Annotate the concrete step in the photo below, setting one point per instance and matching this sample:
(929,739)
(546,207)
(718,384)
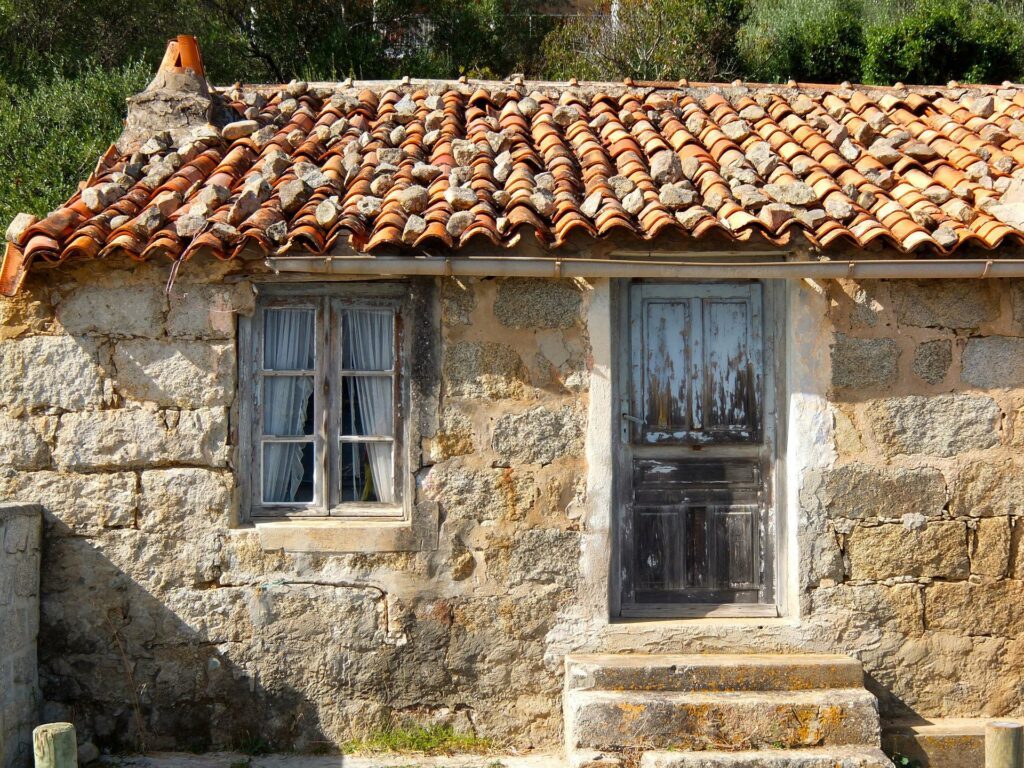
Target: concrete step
(836,757)
(712,672)
(613,721)
(940,742)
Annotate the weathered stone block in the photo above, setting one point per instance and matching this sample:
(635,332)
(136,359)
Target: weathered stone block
(297,616)
(864,491)
(1017,301)
(21,446)
(990,547)
(932,360)
(863,363)
(76,504)
(994,362)
(122,439)
(987,489)
(458,302)
(848,439)
(182,374)
(944,303)
(935,549)
(185,501)
(215,615)
(484,369)
(867,300)
(487,494)
(545,556)
(537,303)
(207,311)
(942,425)
(965,608)
(51,372)
(131,310)
(539,436)
(846,608)
(454,436)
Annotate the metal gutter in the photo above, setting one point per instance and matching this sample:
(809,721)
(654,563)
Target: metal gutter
(512,266)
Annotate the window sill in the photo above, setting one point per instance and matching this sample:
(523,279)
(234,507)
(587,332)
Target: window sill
(652,611)
(334,535)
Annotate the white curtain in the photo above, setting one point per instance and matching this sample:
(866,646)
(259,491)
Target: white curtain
(369,346)
(288,341)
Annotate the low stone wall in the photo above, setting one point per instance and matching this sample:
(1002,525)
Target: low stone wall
(20,540)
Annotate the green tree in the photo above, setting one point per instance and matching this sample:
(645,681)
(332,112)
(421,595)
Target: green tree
(819,41)
(52,133)
(940,40)
(649,40)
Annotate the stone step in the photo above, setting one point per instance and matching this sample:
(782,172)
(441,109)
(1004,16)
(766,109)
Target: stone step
(939,742)
(836,757)
(610,721)
(712,672)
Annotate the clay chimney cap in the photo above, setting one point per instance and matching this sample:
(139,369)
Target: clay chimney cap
(183,55)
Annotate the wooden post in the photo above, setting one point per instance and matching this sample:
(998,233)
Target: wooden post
(55,746)
(1003,745)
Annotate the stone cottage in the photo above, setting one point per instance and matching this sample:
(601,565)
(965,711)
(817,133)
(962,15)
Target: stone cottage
(517,405)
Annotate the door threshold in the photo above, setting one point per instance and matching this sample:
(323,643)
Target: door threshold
(699,611)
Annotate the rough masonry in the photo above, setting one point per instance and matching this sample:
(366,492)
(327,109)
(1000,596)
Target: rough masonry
(20,539)
(166,624)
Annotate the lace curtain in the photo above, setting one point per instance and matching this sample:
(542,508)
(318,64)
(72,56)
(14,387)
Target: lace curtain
(369,346)
(288,345)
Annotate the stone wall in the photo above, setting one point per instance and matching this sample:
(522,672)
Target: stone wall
(926,499)
(167,625)
(20,539)
(905,494)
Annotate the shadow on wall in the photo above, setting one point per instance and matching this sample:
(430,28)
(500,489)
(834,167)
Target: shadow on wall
(108,646)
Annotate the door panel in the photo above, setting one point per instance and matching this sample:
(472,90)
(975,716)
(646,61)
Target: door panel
(731,370)
(693,527)
(664,371)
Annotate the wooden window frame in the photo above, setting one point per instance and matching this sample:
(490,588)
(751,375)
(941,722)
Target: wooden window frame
(772,422)
(329,301)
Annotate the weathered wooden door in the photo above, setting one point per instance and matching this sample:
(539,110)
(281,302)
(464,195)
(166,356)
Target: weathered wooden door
(694,528)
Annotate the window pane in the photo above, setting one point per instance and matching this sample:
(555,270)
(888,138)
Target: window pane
(367,472)
(288,405)
(288,339)
(287,472)
(367,406)
(368,339)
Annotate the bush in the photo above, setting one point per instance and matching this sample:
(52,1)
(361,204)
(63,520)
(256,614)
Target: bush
(488,38)
(939,40)
(651,40)
(52,134)
(819,41)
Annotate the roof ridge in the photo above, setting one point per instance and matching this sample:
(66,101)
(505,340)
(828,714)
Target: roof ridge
(625,84)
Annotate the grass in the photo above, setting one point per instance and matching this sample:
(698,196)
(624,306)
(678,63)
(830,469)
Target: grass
(421,740)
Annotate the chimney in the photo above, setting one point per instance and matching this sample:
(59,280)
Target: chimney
(177,100)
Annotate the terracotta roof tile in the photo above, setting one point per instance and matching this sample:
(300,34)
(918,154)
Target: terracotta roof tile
(362,145)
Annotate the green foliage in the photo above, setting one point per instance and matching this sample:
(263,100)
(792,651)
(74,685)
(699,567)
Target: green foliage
(651,40)
(940,40)
(488,38)
(52,133)
(819,41)
(40,38)
(426,740)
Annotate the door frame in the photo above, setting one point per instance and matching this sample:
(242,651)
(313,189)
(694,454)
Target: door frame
(774,431)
